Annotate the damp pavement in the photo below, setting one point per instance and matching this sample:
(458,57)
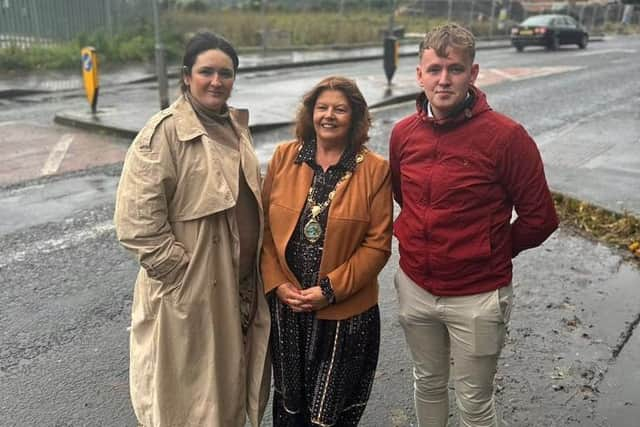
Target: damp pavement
(274,110)
(572,357)
(59,81)
(121,121)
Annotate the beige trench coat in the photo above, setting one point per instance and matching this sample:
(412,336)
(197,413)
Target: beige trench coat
(189,363)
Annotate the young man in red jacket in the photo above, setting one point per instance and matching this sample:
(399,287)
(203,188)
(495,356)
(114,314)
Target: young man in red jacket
(459,169)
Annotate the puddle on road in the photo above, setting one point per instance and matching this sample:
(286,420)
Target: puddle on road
(573,300)
(54,201)
(619,401)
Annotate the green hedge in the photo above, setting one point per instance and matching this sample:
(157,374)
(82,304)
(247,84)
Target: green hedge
(240,27)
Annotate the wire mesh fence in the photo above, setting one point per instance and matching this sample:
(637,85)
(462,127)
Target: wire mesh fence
(25,23)
(487,18)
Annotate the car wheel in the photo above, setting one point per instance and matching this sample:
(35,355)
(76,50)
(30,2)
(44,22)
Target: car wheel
(583,41)
(553,43)
(519,47)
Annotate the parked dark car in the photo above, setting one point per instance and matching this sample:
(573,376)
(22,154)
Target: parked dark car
(549,31)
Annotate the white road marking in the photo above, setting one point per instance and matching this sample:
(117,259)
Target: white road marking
(502,73)
(556,133)
(622,60)
(57,155)
(549,151)
(541,71)
(24,123)
(605,51)
(51,245)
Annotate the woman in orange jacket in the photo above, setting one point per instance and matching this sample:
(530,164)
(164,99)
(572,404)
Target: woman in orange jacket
(328,218)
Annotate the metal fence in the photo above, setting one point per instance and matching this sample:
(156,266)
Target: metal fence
(27,22)
(486,17)
(501,15)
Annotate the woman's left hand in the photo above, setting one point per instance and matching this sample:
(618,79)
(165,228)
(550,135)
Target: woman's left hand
(313,297)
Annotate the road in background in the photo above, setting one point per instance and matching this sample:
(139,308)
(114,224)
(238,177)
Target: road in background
(563,99)
(67,284)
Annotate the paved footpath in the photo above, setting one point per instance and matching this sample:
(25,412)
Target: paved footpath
(59,81)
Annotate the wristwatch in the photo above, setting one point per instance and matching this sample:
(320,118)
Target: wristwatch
(327,290)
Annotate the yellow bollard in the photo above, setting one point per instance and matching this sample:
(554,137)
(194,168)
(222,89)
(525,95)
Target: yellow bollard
(90,75)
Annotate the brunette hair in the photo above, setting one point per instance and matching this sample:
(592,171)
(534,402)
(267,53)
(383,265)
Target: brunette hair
(360,117)
(202,42)
(448,36)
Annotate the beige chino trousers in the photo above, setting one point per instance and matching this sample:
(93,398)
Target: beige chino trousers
(468,329)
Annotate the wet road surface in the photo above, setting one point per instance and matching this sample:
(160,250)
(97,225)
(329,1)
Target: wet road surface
(67,284)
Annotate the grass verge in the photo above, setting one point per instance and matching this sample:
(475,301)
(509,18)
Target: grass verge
(618,230)
(243,29)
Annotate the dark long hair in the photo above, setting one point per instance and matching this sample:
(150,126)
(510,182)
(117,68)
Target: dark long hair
(360,117)
(202,42)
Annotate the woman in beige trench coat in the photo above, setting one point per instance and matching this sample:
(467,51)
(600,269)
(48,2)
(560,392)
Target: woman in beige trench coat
(189,207)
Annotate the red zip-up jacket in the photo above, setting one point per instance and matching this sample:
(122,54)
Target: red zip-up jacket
(457,181)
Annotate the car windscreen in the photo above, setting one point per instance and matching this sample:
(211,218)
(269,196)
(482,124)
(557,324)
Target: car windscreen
(537,20)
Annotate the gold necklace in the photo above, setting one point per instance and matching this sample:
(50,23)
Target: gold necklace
(312,229)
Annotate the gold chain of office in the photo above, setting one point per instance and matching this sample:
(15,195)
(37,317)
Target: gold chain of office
(312,229)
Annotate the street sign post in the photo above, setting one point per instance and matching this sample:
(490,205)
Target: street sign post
(90,75)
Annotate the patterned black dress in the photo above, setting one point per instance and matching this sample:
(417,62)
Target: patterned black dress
(323,369)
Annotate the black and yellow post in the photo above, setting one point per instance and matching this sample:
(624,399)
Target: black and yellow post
(90,75)
(391,54)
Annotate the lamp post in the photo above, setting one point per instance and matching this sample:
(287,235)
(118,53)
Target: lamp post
(161,66)
(491,18)
(390,47)
(265,30)
(473,2)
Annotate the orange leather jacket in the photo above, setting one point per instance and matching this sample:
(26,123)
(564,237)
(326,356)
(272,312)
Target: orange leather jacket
(358,236)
